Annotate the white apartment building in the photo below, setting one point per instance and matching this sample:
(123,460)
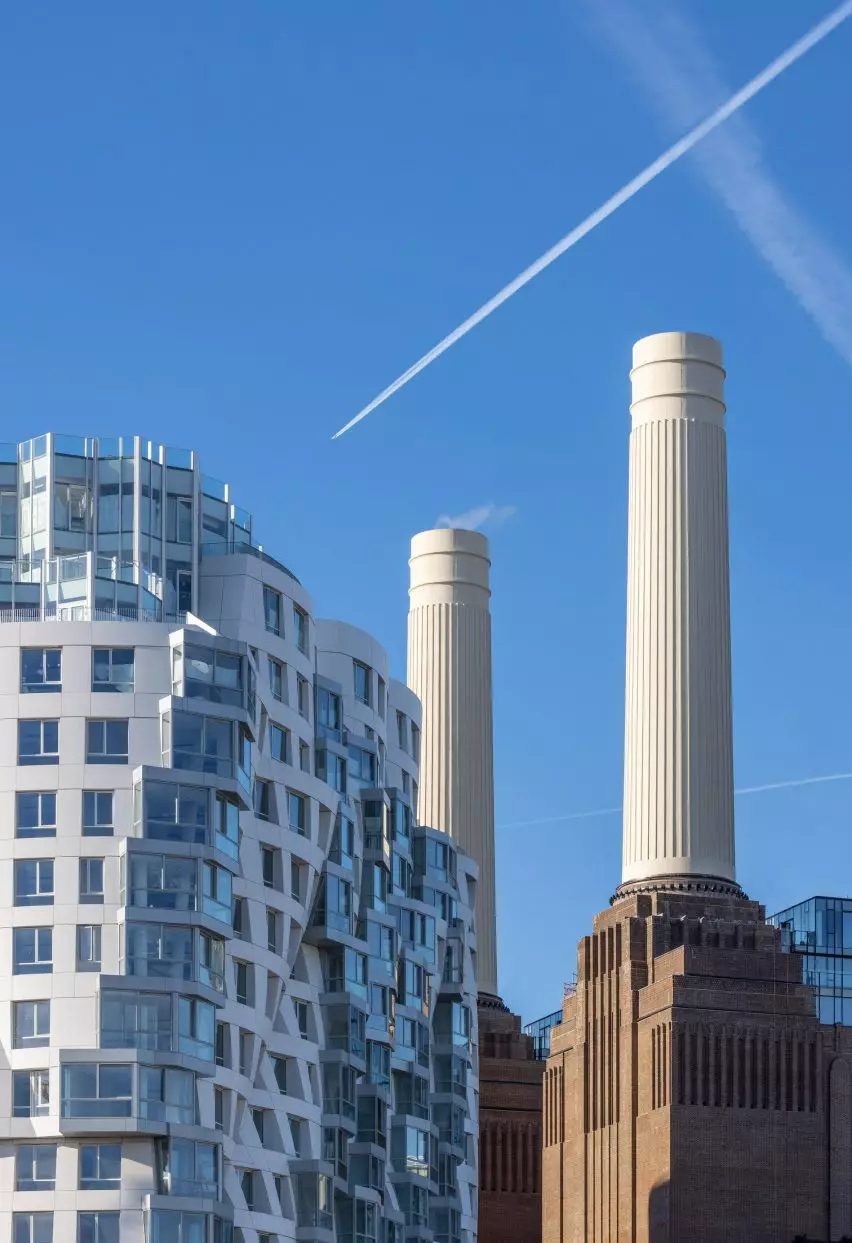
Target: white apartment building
(237,977)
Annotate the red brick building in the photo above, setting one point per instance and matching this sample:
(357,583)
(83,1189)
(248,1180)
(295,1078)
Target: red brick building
(510,1081)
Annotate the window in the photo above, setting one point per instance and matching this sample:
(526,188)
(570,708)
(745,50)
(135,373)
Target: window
(100,1167)
(173,813)
(402,730)
(301,1009)
(247,1181)
(38,742)
(218,1110)
(88,947)
(296,880)
(415,743)
(363,675)
(246,1050)
(98,813)
(131,1020)
(381,698)
(93,1090)
(300,625)
(33,882)
(258,1118)
(270,866)
(302,696)
(278,680)
(223,1057)
(278,744)
(30,1093)
(160,951)
(35,813)
(362,766)
(211,961)
(210,674)
(227,826)
(160,882)
(91,880)
(106,742)
(331,769)
(217,892)
(174,1227)
(238,923)
(328,714)
(279,1071)
(196,1028)
(243,977)
(179,519)
(97,1227)
(167,1095)
(41,669)
(71,507)
(342,849)
(272,610)
(296,812)
(273,931)
(205,743)
(33,952)
(8,515)
(112,669)
(262,799)
(32,1228)
(304,757)
(35,1167)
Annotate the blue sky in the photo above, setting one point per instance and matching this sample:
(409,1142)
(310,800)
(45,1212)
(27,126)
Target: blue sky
(229,226)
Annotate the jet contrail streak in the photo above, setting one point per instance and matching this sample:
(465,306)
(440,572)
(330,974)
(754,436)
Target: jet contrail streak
(612,811)
(669,157)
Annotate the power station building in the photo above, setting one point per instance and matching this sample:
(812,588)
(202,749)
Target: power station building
(691,1091)
(240,973)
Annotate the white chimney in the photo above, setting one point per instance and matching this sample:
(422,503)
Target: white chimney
(449,669)
(678,763)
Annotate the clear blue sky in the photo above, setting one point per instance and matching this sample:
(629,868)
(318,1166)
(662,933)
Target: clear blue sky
(229,225)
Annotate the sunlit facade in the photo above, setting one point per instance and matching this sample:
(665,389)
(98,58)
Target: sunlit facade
(240,997)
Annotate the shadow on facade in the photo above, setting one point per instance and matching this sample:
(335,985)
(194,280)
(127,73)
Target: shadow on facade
(659,1226)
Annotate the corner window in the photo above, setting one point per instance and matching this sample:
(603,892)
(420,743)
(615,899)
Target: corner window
(41,669)
(33,952)
(158,951)
(112,669)
(100,1167)
(33,882)
(328,714)
(272,613)
(98,813)
(32,1024)
(167,1095)
(136,1020)
(93,1090)
(196,1028)
(217,892)
(35,813)
(106,742)
(363,676)
(300,627)
(38,742)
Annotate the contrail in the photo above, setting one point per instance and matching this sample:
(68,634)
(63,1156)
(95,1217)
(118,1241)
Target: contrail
(665,55)
(613,811)
(669,157)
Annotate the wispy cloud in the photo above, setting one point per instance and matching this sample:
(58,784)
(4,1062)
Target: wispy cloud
(489,515)
(794,784)
(664,54)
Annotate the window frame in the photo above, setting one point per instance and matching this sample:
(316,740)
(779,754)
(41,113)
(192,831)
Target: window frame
(48,738)
(111,684)
(93,823)
(271,597)
(46,684)
(40,897)
(104,756)
(41,962)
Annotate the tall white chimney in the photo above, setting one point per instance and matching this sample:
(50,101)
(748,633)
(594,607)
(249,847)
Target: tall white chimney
(449,669)
(678,763)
